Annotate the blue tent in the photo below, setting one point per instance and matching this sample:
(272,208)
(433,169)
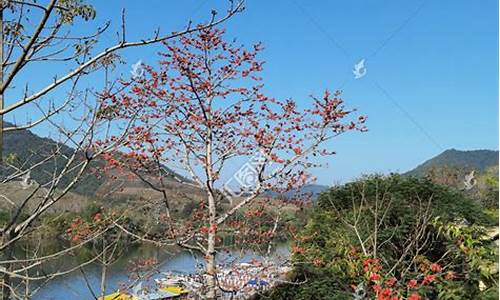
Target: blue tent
(252,282)
(255,282)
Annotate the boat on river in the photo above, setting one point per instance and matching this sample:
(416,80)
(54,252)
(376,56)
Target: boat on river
(236,282)
(239,281)
(118,295)
(163,293)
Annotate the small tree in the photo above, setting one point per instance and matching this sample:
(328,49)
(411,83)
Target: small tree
(393,237)
(204,109)
(34,35)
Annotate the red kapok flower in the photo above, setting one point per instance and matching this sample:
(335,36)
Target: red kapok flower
(386,292)
(450,275)
(298,250)
(374,277)
(391,281)
(366,262)
(428,279)
(318,262)
(412,284)
(414,296)
(435,267)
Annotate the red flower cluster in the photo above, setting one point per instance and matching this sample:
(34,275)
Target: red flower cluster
(412,284)
(371,266)
(388,289)
(391,281)
(374,277)
(435,267)
(79,230)
(428,279)
(414,296)
(450,275)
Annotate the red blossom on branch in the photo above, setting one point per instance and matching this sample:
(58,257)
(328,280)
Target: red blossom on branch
(428,279)
(391,281)
(206,89)
(414,296)
(435,267)
(374,277)
(412,284)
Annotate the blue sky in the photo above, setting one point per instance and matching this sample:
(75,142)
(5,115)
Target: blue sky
(432,67)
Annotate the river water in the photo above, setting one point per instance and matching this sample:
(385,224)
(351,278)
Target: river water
(74,286)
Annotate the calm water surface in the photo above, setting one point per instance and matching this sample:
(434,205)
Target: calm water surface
(74,286)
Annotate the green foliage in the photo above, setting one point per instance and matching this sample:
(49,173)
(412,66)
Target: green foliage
(407,194)
(315,288)
(394,219)
(487,187)
(476,254)
(70,9)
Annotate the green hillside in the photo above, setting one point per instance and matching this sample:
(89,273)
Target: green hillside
(24,149)
(478,160)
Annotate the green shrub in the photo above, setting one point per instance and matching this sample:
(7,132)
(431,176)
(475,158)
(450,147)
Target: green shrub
(403,222)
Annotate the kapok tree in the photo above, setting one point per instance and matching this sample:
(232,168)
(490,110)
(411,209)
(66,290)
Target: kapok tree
(202,110)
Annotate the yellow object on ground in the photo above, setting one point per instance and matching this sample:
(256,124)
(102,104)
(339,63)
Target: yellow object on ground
(117,296)
(174,290)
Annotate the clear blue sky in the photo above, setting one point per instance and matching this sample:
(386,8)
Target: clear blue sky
(432,67)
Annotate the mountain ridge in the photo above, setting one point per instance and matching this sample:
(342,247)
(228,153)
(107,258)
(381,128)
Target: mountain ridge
(34,147)
(26,149)
(479,160)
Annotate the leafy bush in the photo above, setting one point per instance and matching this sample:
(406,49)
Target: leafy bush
(487,188)
(404,224)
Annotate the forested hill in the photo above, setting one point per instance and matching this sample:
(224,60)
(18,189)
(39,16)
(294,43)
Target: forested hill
(25,148)
(478,160)
(309,190)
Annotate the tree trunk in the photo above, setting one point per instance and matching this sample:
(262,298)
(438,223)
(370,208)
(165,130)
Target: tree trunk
(211,270)
(104,269)
(211,284)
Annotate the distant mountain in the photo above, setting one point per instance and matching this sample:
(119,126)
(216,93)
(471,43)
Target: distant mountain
(310,189)
(478,160)
(28,148)
(25,148)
